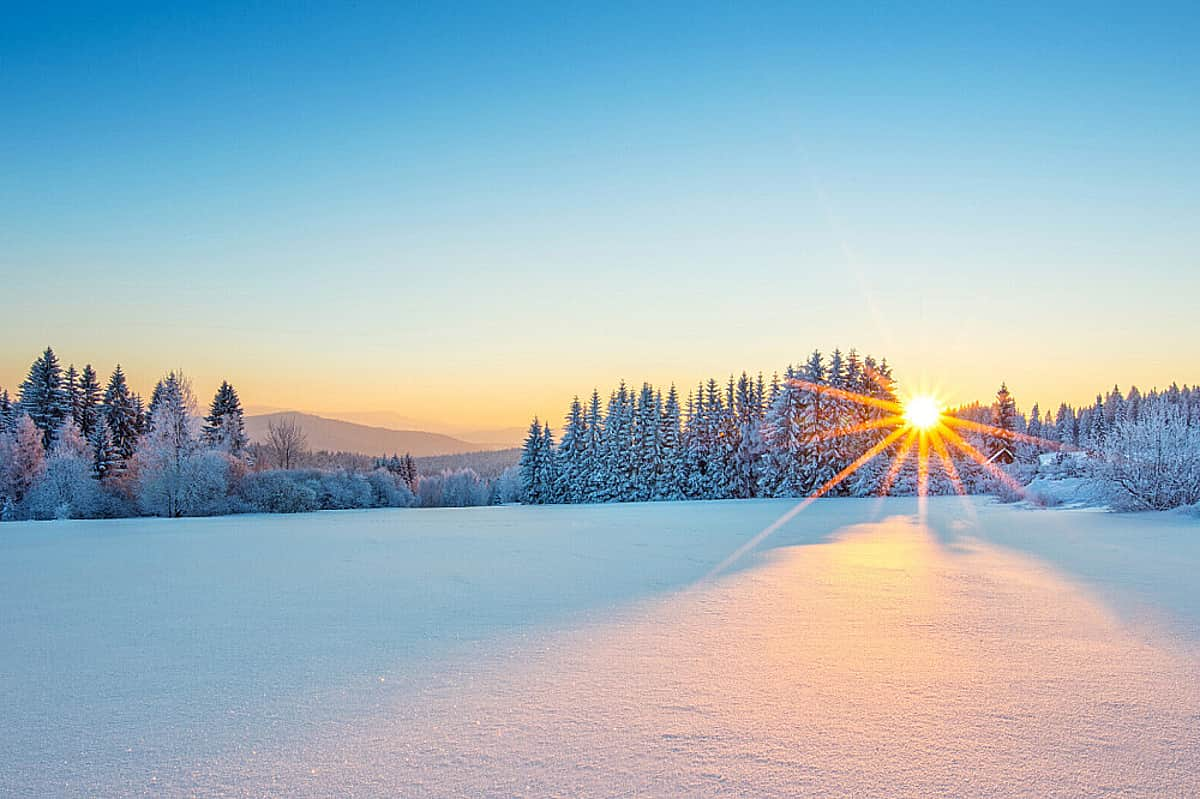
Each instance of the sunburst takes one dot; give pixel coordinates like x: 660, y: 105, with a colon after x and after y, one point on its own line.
x: 922, y: 426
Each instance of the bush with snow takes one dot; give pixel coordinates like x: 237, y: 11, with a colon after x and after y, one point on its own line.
x: 1153, y: 462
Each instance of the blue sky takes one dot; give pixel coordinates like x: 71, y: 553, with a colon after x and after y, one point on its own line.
x: 385, y: 207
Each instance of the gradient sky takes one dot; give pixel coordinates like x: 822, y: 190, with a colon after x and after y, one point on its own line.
x: 470, y: 213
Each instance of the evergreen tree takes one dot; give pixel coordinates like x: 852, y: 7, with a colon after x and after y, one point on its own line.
x: 104, y: 455
x: 409, y: 473
x: 647, y: 459
x: 748, y: 455
x: 673, y: 476
x: 44, y: 398
x: 1004, y: 419
x: 573, y: 467
x: 782, y: 468
x: 87, y: 407
x: 593, y: 490
x: 71, y: 387
x: 548, y: 480
x: 8, y: 413
x: 531, y: 467
x: 225, y: 427
x: 121, y: 413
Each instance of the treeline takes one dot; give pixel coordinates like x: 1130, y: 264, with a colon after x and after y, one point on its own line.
x: 747, y: 438
x: 71, y: 448
x: 793, y: 436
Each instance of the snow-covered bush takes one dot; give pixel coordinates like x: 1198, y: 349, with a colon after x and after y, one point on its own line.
x: 460, y: 488
x: 277, y: 491
x: 463, y: 488
x: 66, y: 489
x: 507, y: 487
x: 23, y: 462
x: 388, y: 491
x: 1153, y: 462
x: 196, y: 485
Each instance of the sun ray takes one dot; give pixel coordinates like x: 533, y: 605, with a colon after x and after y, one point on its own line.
x: 922, y: 472
x: 943, y: 453
x: 874, y: 424
x: 898, y: 462
x: 939, y: 444
x: 980, y: 427
x: 858, y: 463
x: 853, y: 396
x: 977, y: 456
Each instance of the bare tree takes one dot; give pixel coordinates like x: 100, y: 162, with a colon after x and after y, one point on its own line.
x: 286, y: 442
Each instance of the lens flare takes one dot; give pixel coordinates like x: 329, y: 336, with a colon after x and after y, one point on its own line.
x: 922, y: 413
x: 924, y: 425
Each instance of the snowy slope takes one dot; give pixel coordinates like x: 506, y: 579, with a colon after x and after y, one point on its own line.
x: 579, y: 650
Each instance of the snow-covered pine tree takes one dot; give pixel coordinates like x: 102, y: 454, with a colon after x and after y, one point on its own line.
x: 1133, y: 404
x: 225, y: 426
x: 644, y: 439
x: 593, y: 487
x: 87, y: 410
x: 409, y: 473
x: 572, y: 456
x: 1004, y: 419
x: 1029, y: 450
x: 748, y: 457
x: 8, y: 413
x: 548, y: 481
x: 531, y: 464
x: 121, y: 415
x: 1097, y: 424
x: 618, y: 446
x: 71, y: 388
x: 44, y: 398
x: 1114, y: 408
x: 815, y: 417
x: 670, y: 436
x: 727, y: 439
x: 782, y: 474
x: 104, y: 454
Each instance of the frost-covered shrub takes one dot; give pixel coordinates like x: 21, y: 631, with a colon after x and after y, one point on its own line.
x: 453, y: 489
x: 1152, y: 463
x: 66, y: 490
x: 342, y: 490
x: 277, y: 491
x: 507, y: 487
x: 429, y: 490
x: 195, y: 484
x: 388, y: 491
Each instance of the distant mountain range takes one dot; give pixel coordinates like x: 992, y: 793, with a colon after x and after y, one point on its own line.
x: 489, y: 438
x: 337, y: 435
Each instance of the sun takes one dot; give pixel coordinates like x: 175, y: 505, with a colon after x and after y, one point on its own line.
x: 922, y: 413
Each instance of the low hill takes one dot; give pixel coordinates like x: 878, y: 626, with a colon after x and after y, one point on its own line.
x: 338, y: 436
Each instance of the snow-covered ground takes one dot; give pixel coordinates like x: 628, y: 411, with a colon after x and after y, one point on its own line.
x: 586, y: 651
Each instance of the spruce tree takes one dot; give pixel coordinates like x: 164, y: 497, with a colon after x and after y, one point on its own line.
x: 8, y: 413
x: 593, y: 488
x: 531, y: 464
x: 88, y: 410
x: 225, y: 426
x: 71, y: 387
x: 572, y: 455
x: 44, y: 398
x: 121, y: 414
x: 1004, y: 420
x: 548, y: 481
x: 674, y: 475
x: 104, y: 454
